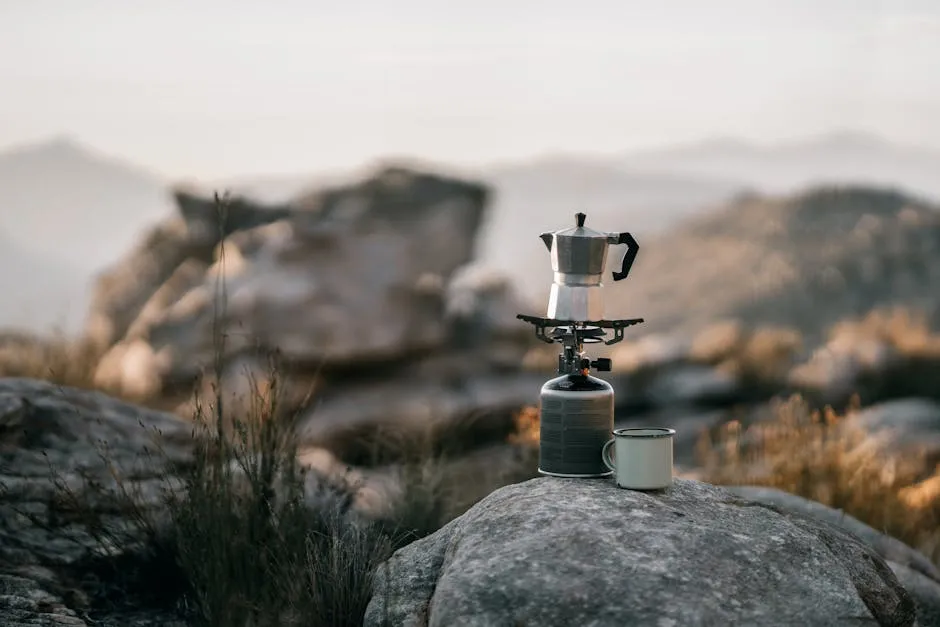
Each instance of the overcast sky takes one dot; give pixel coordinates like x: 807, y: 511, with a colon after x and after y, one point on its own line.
x: 229, y: 87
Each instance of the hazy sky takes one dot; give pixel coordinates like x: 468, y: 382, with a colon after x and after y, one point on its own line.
x: 226, y: 87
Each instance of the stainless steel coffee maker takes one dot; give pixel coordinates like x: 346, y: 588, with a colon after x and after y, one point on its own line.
x: 579, y: 256
x: 576, y: 410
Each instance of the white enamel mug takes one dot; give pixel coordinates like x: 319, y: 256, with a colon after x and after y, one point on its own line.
x: 642, y: 457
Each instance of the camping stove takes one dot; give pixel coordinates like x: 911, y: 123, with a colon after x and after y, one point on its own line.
x: 576, y: 410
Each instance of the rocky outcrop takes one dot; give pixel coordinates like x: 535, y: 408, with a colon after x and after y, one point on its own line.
x: 124, y: 291
x: 574, y: 552
x: 61, y: 453
x: 352, y: 275
x: 902, y: 426
x: 473, y: 392
x: 917, y: 574
x: 367, y: 292
x: 839, y: 368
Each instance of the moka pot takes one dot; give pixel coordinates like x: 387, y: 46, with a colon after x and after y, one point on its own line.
x: 579, y: 255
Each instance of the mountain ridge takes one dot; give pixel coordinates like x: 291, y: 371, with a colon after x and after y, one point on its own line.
x: 842, y: 157
x: 27, y: 286
x: 58, y: 194
x: 804, y: 260
x: 81, y: 208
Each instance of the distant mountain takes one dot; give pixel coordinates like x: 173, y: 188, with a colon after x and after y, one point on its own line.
x: 846, y: 157
x: 805, y: 260
x: 38, y: 293
x: 65, y: 201
x: 65, y: 213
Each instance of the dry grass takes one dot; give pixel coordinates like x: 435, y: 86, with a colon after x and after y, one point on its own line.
x: 56, y: 359
x: 262, y: 543
x: 526, y: 432
x: 827, y: 458
x: 906, y: 330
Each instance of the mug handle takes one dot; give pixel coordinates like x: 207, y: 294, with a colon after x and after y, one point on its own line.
x: 605, y: 455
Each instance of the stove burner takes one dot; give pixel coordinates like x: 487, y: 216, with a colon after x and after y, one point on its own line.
x: 588, y: 335
x: 588, y: 332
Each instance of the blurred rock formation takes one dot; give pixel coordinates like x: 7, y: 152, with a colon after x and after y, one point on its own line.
x: 368, y: 292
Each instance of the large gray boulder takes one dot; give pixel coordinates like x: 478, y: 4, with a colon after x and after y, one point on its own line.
x: 917, y: 574
x: 123, y: 291
x: 349, y: 276
x: 58, y: 444
x: 583, y: 552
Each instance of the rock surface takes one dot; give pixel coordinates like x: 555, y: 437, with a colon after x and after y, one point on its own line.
x: 350, y: 275
x: 573, y: 552
x: 124, y: 291
x: 889, y: 548
x: 903, y: 424
x: 54, y: 442
x: 919, y: 576
x: 924, y: 590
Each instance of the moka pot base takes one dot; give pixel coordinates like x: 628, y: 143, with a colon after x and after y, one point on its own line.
x: 576, y: 302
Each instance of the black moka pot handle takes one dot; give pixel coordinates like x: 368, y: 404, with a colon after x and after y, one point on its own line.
x: 632, y: 249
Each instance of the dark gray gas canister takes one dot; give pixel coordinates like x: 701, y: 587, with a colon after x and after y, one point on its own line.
x: 576, y: 420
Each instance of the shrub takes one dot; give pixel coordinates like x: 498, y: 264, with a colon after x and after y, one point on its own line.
x: 254, y: 550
